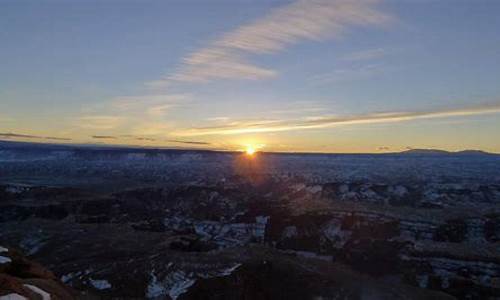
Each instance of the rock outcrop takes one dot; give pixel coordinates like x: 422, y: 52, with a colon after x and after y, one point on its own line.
x: 21, y: 278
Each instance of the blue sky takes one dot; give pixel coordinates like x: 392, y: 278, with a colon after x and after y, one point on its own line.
x: 313, y: 75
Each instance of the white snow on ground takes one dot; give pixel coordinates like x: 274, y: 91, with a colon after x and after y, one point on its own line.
x: 4, y: 260
x: 174, y: 284
x: 3, y: 249
x: 100, y: 284
x: 178, y: 282
x: 230, y: 234
x: 13, y: 296
x: 155, y: 288
x: 39, y: 291
x: 180, y: 288
x: 68, y: 277
x: 230, y: 270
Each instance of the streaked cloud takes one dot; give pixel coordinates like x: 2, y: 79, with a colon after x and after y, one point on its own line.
x: 105, y: 137
x: 154, y: 105
x: 218, y: 119
x: 137, y: 138
x: 228, y: 66
x: 242, y: 124
x: 148, y: 139
x: 9, y: 135
x: 189, y: 142
x: 299, y: 108
x: 56, y: 138
x: 228, y: 56
x: 138, y: 115
x: 159, y: 110
x: 332, y: 121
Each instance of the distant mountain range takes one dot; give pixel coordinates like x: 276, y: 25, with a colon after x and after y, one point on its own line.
x: 444, y: 152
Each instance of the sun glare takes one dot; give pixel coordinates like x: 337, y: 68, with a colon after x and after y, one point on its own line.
x: 250, y: 150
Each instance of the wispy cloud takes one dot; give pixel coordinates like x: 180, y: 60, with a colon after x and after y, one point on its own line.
x: 155, y: 105
x: 138, y: 138
x: 136, y: 115
x: 124, y: 136
x: 145, y: 139
x: 105, y: 137
x: 9, y: 135
x: 328, y: 121
x: 159, y: 110
x: 242, y: 124
x: 227, y: 57
x: 218, y: 119
x: 56, y: 138
x: 189, y: 142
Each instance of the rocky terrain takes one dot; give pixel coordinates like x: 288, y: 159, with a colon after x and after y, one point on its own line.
x: 126, y: 224
x: 21, y: 278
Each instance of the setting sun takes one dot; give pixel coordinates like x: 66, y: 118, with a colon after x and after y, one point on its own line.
x: 250, y: 150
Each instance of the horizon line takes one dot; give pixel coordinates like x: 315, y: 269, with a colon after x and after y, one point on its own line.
x: 145, y: 147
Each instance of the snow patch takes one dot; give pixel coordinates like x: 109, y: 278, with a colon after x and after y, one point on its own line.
x: 68, y: 277
x: 3, y: 249
x: 180, y: 288
x: 334, y: 233
x: 174, y: 284
x: 39, y: 291
x: 178, y: 282
x: 4, y: 260
x: 13, y: 296
x: 229, y: 271
x: 100, y: 284
x: 154, y: 288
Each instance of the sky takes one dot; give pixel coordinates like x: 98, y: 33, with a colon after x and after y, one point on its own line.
x: 293, y: 76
